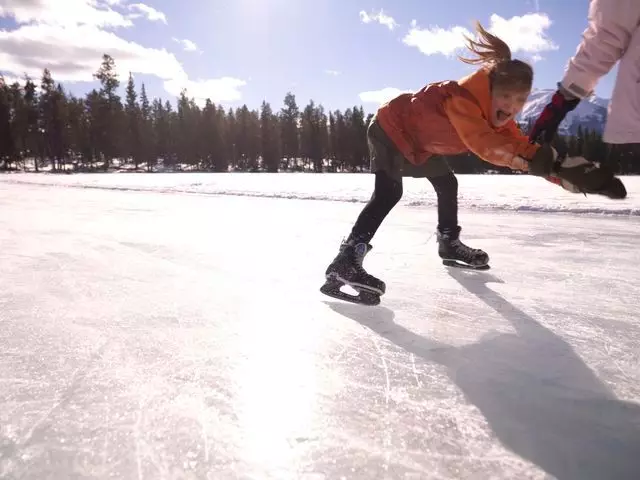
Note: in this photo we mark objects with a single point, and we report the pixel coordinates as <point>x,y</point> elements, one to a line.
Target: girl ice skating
<point>409,136</point>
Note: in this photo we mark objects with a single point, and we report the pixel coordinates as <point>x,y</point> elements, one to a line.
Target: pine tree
<point>146,130</point>
<point>30,101</point>
<point>223,154</point>
<point>80,131</point>
<point>314,135</point>
<point>133,148</point>
<point>232,139</point>
<point>332,146</point>
<point>162,123</point>
<point>53,122</point>
<point>95,125</point>
<point>109,125</point>
<point>247,138</point>
<point>185,132</point>
<point>19,125</point>
<point>341,142</point>
<point>270,138</point>
<point>7,149</point>
<point>209,134</point>
<point>360,148</point>
<point>289,128</point>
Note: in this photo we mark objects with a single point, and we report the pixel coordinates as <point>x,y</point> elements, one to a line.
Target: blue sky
<point>339,53</point>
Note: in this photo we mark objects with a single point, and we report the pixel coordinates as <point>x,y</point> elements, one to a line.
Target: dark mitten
<point>546,126</point>
<point>543,162</point>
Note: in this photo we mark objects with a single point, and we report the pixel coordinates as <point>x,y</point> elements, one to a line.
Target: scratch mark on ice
<point>136,433</point>
<point>613,357</point>
<point>385,368</point>
<point>415,371</point>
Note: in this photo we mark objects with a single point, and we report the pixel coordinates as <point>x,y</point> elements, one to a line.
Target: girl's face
<point>505,105</point>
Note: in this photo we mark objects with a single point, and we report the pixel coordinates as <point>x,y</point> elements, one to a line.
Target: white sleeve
<point>604,41</point>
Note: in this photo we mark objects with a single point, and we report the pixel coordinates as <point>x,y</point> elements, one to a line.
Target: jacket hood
<point>479,86</point>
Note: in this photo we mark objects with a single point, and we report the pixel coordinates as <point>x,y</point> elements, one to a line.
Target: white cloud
<point>150,13</point>
<point>333,73</point>
<point>380,17</point>
<point>28,49</point>
<point>67,12</point>
<point>219,90</point>
<point>71,42</point>
<point>187,44</point>
<point>431,41</point>
<point>11,79</point>
<point>525,33</point>
<point>381,96</point>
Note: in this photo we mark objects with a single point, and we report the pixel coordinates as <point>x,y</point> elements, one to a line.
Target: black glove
<point>544,162</point>
<point>546,126</point>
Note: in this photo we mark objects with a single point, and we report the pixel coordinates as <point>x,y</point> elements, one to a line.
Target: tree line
<point>55,129</point>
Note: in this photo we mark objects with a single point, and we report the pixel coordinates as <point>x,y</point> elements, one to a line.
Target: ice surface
<point>156,336</point>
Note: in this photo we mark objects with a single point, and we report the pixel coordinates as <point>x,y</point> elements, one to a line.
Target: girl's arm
<point>508,148</point>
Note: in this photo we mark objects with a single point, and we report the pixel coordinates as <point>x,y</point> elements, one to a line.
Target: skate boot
<point>454,253</point>
<point>346,269</point>
<point>613,188</point>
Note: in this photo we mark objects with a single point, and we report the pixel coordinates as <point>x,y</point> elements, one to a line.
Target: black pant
<point>388,192</point>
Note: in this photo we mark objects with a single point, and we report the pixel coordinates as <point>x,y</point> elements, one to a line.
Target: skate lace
<point>467,253</point>
<point>359,268</point>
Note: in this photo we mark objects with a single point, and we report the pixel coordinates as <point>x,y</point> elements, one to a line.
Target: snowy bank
<point>484,192</point>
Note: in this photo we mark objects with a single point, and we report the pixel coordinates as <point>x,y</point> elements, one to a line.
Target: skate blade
<point>364,297</point>
<point>466,266</point>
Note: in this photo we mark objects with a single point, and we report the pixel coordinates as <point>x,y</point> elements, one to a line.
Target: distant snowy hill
<point>590,113</point>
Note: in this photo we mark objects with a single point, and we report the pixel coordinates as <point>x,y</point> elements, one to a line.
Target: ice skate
<point>346,270</point>
<point>578,174</point>
<point>613,188</point>
<point>454,253</point>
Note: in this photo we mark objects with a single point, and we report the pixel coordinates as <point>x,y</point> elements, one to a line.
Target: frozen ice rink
<point>149,333</point>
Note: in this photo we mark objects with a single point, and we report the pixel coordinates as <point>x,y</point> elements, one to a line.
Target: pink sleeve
<point>605,40</point>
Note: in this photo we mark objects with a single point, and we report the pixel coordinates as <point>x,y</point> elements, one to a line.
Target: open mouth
<point>502,115</point>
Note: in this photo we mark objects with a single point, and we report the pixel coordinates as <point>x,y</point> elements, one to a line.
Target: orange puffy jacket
<point>450,118</point>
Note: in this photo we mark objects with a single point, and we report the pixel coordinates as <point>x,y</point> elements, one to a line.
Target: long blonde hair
<point>495,55</point>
